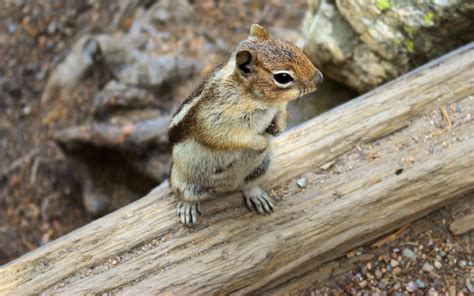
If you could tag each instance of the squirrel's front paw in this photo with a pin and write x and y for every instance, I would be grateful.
(276, 127)
(273, 130)
(260, 143)
(188, 212)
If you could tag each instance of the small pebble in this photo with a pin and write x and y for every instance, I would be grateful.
(411, 287)
(397, 271)
(438, 283)
(458, 109)
(438, 265)
(452, 290)
(462, 263)
(442, 254)
(301, 182)
(52, 28)
(432, 292)
(394, 263)
(470, 285)
(407, 253)
(363, 284)
(420, 283)
(428, 267)
(11, 28)
(381, 285)
(378, 274)
(26, 110)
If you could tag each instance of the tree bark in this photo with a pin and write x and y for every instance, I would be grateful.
(372, 165)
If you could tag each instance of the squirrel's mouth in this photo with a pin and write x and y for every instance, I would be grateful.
(306, 90)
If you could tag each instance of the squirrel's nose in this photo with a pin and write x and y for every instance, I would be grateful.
(318, 78)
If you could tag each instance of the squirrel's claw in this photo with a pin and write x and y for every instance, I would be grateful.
(188, 212)
(257, 199)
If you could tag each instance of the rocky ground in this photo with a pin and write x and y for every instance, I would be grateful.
(40, 199)
(424, 258)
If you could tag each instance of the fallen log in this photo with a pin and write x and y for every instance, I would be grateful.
(393, 159)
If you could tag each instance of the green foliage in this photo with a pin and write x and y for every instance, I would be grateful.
(409, 30)
(428, 18)
(382, 4)
(409, 45)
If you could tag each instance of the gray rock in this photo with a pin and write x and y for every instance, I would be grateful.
(420, 283)
(363, 44)
(301, 182)
(378, 274)
(470, 285)
(381, 285)
(411, 287)
(12, 28)
(407, 253)
(428, 267)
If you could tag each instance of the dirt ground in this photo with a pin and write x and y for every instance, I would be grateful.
(40, 199)
(37, 205)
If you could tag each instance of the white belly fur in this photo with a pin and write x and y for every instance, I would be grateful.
(223, 170)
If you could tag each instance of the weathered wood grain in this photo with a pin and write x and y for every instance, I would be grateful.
(142, 247)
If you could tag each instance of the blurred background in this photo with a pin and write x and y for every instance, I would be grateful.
(87, 87)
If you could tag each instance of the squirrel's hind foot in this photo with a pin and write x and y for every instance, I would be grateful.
(188, 212)
(258, 200)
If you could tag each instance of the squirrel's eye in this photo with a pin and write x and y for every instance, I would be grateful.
(283, 78)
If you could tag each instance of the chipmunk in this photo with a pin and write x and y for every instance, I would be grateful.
(221, 134)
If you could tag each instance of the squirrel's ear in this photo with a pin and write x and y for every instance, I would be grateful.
(258, 32)
(244, 60)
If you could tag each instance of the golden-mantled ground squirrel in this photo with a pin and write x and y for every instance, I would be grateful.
(221, 134)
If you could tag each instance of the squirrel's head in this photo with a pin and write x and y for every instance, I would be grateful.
(274, 70)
